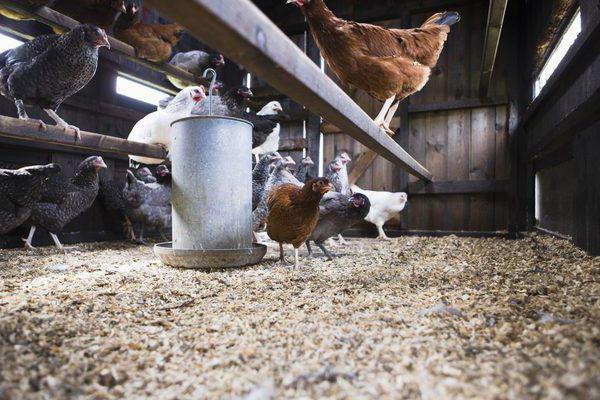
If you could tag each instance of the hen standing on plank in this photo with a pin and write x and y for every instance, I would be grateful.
(155, 128)
(152, 42)
(19, 190)
(302, 174)
(262, 144)
(194, 62)
(389, 64)
(294, 213)
(51, 68)
(338, 212)
(260, 175)
(64, 200)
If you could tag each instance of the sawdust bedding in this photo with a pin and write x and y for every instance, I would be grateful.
(427, 318)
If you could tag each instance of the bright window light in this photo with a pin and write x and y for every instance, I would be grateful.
(564, 44)
(249, 81)
(7, 43)
(138, 91)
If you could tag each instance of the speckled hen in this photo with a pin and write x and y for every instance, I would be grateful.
(19, 190)
(64, 199)
(50, 69)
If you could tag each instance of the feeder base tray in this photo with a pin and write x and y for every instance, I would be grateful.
(222, 258)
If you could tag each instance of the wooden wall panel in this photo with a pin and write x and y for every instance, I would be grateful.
(556, 190)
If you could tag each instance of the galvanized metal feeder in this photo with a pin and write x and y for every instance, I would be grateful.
(211, 159)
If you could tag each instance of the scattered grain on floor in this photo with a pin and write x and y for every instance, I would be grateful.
(415, 317)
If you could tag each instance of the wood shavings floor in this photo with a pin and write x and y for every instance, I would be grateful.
(427, 318)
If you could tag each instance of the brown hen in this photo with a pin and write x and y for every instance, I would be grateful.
(294, 212)
(389, 64)
(152, 42)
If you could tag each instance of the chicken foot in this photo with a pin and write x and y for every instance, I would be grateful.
(29, 238)
(380, 120)
(284, 260)
(23, 115)
(329, 255)
(62, 123)
(382, 234)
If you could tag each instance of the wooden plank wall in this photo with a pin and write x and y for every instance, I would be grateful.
(468, 144)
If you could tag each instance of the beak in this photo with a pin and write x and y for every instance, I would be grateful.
(123, 9)
(100, 163)
(105, 41)
(290, 2)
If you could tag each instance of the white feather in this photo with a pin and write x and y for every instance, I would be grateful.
(272, 142)
(155, 128)
(384, 205)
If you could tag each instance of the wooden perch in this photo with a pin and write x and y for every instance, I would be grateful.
(253, 40)
(30, 131)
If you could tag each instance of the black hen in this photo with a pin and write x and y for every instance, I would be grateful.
(63, 200)
(102, 13)
(338, 212)
(144, 175)
(264, 125)
(19, 190)
(50, 69)
(235, 98)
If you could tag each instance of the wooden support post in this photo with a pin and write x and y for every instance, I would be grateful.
(492, 40)
(14, 128)
(313, 122)
(250, 38)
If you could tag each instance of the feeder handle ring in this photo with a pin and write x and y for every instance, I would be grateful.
(210, 87)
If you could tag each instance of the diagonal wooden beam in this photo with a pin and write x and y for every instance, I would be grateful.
(493, 31)
(244, 34)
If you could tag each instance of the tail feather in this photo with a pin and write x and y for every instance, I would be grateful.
(444, 18)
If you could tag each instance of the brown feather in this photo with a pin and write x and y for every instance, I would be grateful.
(294, 211)
(383, 62)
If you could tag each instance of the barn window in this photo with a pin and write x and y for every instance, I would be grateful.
(139, 91)
(7, 43)
(560, 50)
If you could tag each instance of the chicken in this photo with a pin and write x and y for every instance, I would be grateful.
(102, 13)
(144, 175)
(278, 176)
(15, 14)
(111, 196)
(152, 42)
(338, 212)
(155, 128)
(303, 171)
(266, 144)
(384, 206)
(337, 173)
(63, 200)
(260, 174)
(294, 213)
(19, 190)
(389, 64)
(231, 104)
(51, 68)
(194, 62)
(147, 205)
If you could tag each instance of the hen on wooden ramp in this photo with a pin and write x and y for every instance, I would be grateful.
(389, 64)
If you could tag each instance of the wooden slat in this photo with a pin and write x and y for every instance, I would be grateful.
(458, 187)
(30, 131)
(455, 105)
(247, 36)
(55, 19)
(492, 41)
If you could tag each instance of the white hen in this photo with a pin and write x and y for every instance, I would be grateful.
(384, 206)
(272, 143)
(155, 128)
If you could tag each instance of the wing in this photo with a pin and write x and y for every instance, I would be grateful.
(28, 51)
(419, 44)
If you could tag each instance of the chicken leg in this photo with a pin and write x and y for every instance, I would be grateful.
(29, 238)
(390, 115)
(61, 122)
(325, 251)
(282, 258)
(381, 117)
(57, 242)
(382, 234)
(23, 114)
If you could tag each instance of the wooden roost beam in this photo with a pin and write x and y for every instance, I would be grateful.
(52, 18)
(243, 33)
(30, 131)
(492, 40)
